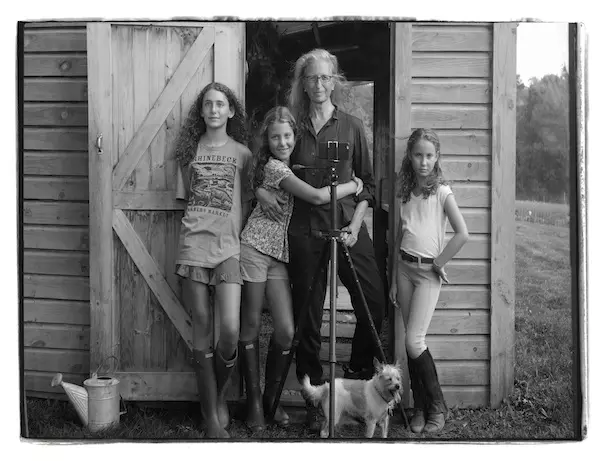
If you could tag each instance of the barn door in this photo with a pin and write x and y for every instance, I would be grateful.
(143, 77)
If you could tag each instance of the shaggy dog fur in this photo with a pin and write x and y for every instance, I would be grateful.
(371, 401)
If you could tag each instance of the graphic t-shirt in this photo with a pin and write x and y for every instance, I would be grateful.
(214, 183)
(424, 223)
(262, 233)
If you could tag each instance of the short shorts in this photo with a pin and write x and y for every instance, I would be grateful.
(226, 272)
(259, 267)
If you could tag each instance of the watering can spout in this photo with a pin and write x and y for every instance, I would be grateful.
(77, 395)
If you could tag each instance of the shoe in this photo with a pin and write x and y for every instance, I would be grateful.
(417, 422)
(313, 417)
(223, 370)
(250, 367)
(276, 361)
(204, 368)
(436, 406)
(363, 373)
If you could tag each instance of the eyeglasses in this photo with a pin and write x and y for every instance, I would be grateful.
(313, 79)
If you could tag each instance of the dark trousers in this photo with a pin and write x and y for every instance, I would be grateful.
(304, 259)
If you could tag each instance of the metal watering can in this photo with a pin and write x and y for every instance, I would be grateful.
(97, 403)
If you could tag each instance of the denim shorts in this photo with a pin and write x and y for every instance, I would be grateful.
(259, 267)
(226, 272)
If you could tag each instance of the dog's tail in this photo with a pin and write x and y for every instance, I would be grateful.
(313, 393)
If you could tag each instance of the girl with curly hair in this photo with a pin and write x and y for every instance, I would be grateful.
(213, 176)
(427, 203)
(263, 263)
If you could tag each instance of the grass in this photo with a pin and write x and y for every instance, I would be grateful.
(555, 214)
(539, 407)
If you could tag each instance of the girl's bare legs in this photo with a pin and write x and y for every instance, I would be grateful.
(227, 303)
(195, 297)
(251, 309)
(280, 301)
(228, 297)
(279, 295)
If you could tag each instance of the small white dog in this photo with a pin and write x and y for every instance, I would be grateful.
(371, 401)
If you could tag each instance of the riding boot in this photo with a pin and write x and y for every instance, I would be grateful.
(204, 367)
(417, 422)
(224, 370)
(436, 406)
(249, 360)
(276, 361)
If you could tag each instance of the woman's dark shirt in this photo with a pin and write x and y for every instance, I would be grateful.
(340, 127)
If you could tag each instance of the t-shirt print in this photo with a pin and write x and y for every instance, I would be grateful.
(212, 184)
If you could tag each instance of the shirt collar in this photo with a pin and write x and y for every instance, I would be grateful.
(334, 116)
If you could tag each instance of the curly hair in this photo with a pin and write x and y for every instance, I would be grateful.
(278, 114)
(194, 126)
(407, 178)
(298, 100)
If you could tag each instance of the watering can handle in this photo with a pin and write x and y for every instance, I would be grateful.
(116, 361)
(122, 404)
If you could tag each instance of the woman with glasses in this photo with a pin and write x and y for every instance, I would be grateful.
(317, 87)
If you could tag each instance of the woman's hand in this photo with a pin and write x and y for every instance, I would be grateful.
(270, 203)
(350, 235)
(439, 270)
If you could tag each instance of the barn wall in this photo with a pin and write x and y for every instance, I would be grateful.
(450, 91)
(55, 194)
(451, 88)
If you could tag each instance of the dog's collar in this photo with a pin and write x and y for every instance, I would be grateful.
(381, 395)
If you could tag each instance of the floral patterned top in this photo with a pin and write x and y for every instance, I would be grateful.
(265, 235)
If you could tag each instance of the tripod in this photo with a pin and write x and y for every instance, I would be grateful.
(329, 254)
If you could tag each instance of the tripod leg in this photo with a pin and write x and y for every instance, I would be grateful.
(363, 302)
(322, 265)
(365, 308)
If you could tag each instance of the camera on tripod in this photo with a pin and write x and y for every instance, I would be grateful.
(334, 151)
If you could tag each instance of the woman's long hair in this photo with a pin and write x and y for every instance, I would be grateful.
(407, 180)
(278, 114)
(194, 127)
(298, 100)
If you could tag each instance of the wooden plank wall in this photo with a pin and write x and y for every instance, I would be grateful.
(451, 92)
(56, 215)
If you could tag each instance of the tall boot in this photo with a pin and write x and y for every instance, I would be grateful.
(204, 367)
(276, 360)
(224, 370)
(436, 406)
(417, 422)
(249, 360)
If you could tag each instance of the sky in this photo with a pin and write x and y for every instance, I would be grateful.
(542, 48)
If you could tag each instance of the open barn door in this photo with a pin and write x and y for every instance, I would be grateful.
(143, 77)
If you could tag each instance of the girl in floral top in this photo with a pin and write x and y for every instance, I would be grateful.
(264, 254)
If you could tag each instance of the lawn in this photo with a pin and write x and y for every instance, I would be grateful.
(540, 406)
(555, 214)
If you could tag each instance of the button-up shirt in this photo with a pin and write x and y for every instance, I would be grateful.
(340, 127)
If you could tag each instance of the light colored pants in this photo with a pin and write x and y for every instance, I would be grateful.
(418, 293)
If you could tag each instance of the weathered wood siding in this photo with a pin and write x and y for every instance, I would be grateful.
(450, 90)
(55, 203)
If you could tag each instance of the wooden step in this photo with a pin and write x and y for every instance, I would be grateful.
(344, 302)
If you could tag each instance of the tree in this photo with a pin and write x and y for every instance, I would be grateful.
(543, 137)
